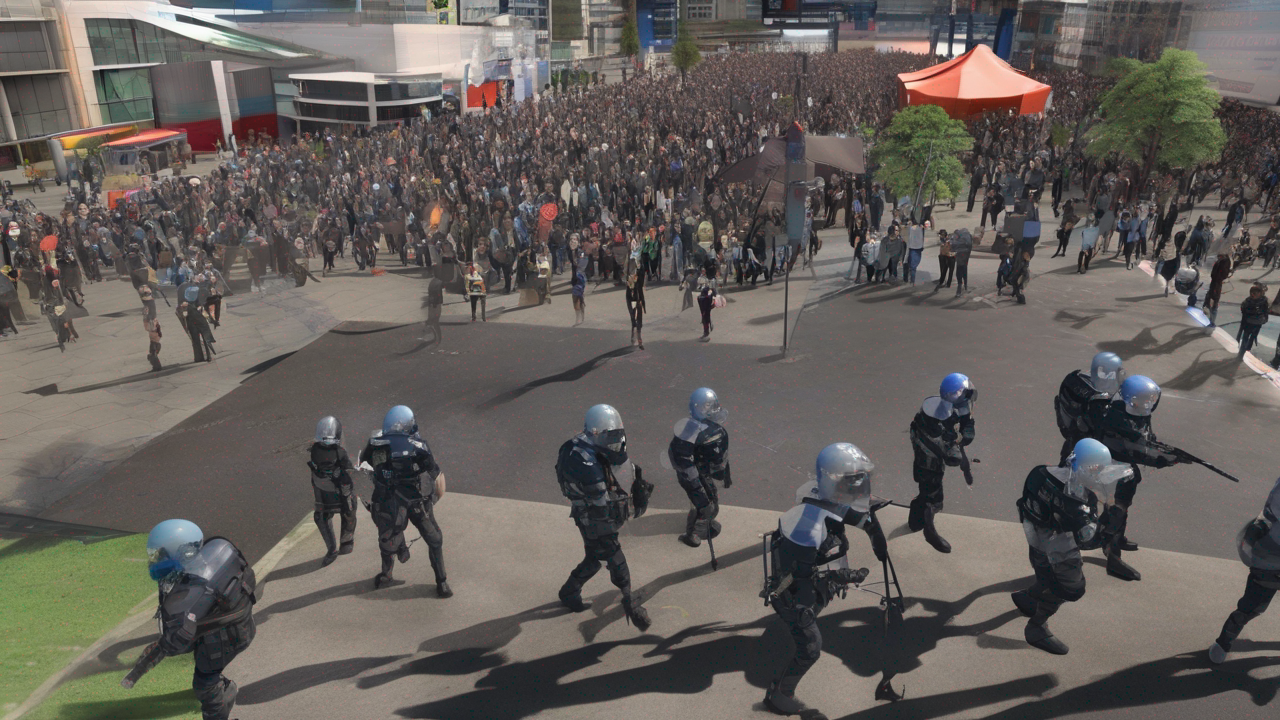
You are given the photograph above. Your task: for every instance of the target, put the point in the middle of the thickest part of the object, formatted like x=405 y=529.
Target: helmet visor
x=854 y=490
x=613 y=440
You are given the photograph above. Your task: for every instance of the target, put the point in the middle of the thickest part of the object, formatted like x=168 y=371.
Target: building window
x=38 y=104
x=22 y=47
x=344 y=113
x=111 y=42
x=124 y=95
x=701 y=11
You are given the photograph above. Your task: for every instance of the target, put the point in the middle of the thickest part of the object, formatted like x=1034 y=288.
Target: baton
x=711 y=545
x=965 y=467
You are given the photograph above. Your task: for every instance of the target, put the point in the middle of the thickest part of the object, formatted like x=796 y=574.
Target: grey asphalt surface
x=496 y=400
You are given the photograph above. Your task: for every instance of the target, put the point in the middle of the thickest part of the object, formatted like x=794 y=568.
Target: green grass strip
x=57 y=597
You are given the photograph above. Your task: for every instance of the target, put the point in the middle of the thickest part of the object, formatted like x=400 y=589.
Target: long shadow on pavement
x=523 y=689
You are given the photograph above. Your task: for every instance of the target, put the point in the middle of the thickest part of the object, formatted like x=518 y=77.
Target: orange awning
x=972 y=83
x=146 y=138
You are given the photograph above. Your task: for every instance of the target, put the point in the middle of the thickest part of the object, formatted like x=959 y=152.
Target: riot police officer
x=207 y=593
x=1126 y=431
x=699 y=452
x=587 y=468
x=400 y=457
x=810 y=536
x=335 y=493
x=1083 y=398
x=1259 y=547
x=1058 y=517
x=939 y=432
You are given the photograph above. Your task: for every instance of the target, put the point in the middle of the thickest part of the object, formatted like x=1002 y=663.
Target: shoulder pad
x=379 y=441
x=687 y=429
x=806 y=525
x=420 y=444
x=936 y=408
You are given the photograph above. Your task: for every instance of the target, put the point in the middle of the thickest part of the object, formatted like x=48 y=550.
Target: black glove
x=879 y=545
x=728 y=478
x=849 y=576
x=1255 y=531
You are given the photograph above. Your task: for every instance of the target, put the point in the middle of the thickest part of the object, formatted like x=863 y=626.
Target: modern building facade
x=350 y=99
x=36 y=96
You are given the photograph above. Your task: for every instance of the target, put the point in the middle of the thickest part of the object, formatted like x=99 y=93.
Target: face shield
x=170 y=546
x=704 y=404
x=1107 y=373
x=613 y=443
x=1141 y=395
x=844 y=476
x=853 y=490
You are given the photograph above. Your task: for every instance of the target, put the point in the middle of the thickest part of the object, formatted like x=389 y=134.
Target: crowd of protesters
x=612 y=183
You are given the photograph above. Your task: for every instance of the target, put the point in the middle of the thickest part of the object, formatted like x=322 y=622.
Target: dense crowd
x=613 y=183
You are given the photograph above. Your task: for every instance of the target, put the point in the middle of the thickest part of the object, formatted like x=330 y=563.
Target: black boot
x=931 y=535
x=443 y=590
x=325 y=526
x=636 y=615
x=915 y=518
x=780 y=699
x=155 y=363
x=1119 y=568
x=1038 y=636
x=885 y=691
x=1026 y=604
x=692 y=541
x=574 y=602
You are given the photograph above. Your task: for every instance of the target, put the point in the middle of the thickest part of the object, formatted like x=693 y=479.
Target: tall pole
x=796 y=193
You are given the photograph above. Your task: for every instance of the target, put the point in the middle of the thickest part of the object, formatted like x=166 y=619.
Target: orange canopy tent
x=972 y=83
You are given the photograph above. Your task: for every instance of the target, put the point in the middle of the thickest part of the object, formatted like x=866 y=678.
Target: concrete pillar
x=220 y=87
x=7 y=115
x=373 y=105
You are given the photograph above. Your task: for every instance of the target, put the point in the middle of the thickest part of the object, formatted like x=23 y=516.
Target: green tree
x=921 y=136
x=630 y=38
x=685 y=52
x=1159 y=115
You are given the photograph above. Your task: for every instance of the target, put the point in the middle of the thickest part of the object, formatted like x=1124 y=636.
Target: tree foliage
x=903 y=150
x=630 y=38
x=684 y=54
x=1159 y=115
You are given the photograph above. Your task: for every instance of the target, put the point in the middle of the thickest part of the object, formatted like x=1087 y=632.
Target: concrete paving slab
x=503 y=647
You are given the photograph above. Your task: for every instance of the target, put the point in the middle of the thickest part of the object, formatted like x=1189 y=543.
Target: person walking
x=1064 y=237
x=962 y=246
x=579 y=290
x=1254 y=312
x=946 y=260
x=635 y=306
x=1221 y=271
x=476 y=291
x=915 y=249
x=706 y=301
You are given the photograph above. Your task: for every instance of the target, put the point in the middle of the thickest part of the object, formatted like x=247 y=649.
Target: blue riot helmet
x=1092 y=468
x=1141 y=395
x=399 y=421
x=705 y=405
x=171 y=545
x=1106 y=372
x=957 y=390
x=603 y=426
